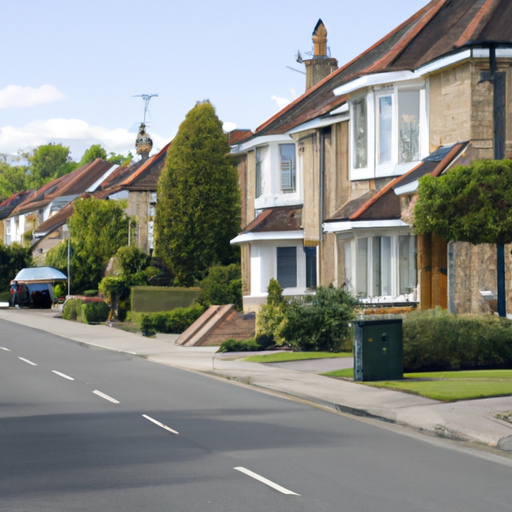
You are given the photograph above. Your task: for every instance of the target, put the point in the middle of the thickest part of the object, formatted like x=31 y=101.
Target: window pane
x=360 y=134
x=310 y=266
x=407 y=263
x=362 y=267
x=287 y=167
x=349 y=280
x=408 y=126
x=385 y=120
x=381 y=262
x=287 y=267
x=260 y=155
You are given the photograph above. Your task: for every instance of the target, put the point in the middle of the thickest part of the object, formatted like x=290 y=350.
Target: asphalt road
x=85 y=429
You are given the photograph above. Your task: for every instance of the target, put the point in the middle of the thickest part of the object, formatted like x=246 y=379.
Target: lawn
x=280 y=357
x=447 y=386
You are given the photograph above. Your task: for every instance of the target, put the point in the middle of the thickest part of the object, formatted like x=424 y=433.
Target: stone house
x=328 y=182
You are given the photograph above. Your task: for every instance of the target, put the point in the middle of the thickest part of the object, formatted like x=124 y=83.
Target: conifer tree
x=198 y=208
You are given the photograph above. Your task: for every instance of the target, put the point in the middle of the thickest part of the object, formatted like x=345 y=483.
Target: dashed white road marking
x=266 y=481
x=62 y=375
x=6 y=349
x=106 y=397
x=165 y=427
x=27 y=361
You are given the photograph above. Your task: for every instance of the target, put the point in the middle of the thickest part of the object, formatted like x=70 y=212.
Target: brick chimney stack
x=320 y=65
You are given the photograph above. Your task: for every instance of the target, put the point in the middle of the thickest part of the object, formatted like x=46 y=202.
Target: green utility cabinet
x=378 y=350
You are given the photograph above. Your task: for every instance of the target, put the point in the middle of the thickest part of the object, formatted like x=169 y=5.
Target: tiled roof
x=439 y=28
x=74 y=183
x=283 y=218
x=55 y=221
x=7 y=206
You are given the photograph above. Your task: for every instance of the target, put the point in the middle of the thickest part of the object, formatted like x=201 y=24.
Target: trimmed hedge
x=232 y=345
x=72 y=310
x=171 y=322
x=152 y=299
x=95 y=312
x=438 y=340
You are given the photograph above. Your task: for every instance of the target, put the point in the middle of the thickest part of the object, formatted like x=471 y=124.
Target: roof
x=385 y=203
x=40 y=275
x=147 y=175
x=439 y=28
x=55 y=221
x=72 y=184
x=7 y=206
x=284 y=218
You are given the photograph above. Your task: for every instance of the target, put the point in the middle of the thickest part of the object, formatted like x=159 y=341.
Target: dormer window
x=389 y=131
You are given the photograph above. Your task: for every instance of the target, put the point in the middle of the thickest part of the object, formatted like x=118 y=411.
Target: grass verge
x=446 y=386
x=281 y=357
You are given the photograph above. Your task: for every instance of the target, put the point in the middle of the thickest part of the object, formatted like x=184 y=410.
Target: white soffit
x=409 y=188
x=258 y=141
x=268 y=236
x=320 y=122
x=349 y=225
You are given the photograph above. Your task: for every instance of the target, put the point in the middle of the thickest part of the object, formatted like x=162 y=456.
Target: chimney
x=320 y=65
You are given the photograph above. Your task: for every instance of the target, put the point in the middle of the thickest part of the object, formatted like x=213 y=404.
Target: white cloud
x=75 y=133
x=283 y=102
x=15 y=96
x=228 y=127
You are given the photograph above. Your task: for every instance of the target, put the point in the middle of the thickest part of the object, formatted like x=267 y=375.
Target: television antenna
x=147 y=99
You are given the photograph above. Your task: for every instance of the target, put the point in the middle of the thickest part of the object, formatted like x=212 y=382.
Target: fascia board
x=406 y=189
x=258 y=141
x=268 y=236
x=337 y=227
x=319 y=123
x=100 y=180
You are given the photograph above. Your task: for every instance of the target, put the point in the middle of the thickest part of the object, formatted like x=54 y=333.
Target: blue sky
x=70 y=69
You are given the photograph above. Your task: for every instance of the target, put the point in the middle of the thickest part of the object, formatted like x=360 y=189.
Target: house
x=328 y=182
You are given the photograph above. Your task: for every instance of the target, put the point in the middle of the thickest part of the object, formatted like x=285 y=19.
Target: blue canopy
x=40 y=275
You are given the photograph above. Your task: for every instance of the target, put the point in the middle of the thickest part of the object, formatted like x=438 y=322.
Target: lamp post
x=65 y=230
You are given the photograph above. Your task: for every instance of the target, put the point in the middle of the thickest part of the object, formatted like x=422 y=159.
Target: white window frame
x=372 y=237
x=375 y=169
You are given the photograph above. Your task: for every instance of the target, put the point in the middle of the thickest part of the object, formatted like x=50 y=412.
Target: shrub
x=60 y=290
x=95 y=312
x=438 y=340
x=90 y=293
x=271 y=317
x=232 y=345
x=222 y=285
x=319 y=322
x=171 y=322
x=72 y=310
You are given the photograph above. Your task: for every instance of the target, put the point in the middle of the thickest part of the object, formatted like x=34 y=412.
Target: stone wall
x=138 y=207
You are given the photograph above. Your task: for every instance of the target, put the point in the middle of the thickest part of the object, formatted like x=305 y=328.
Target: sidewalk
x=471 y=420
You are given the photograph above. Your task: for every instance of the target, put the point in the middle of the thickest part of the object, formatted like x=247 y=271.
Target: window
x=310 y=267
x=260 y=157
x=288 y=172
x=408 y=126
x=360 y=134
x=380 y=266
x=287 y=267
x=385 y=128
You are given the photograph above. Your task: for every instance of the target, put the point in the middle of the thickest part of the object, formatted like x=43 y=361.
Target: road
x=86 y=429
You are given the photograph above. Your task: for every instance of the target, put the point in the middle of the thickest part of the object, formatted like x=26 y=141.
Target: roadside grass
x=446 y=386
x=280 y=357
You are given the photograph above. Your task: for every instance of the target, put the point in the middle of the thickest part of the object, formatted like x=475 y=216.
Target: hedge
x=72 y=310
x=95 y=312
x=233 y=345
x=438 y=340
x=171 y=322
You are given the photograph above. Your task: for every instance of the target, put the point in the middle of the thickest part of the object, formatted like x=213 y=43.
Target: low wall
x=151 y=299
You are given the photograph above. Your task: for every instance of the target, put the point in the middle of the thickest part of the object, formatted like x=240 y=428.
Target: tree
x=48 y=162
x=198 y=209
x=95 y=151
x=222 y=285
x=13 y=258
x=98 y=229
x=12 y=179
x=467 y=204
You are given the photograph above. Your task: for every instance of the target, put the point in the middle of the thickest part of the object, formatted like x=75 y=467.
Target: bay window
x=288 y=169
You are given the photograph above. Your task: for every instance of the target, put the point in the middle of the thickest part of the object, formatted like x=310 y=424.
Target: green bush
x=320 y=321
x=438 y=340
x=232 y=345
x=5 y=296
x=171 y=322
x=222 y=285
x=60 y=290
x=72 y=310
x=271 y=317
x=95 y=312
x=90 y=293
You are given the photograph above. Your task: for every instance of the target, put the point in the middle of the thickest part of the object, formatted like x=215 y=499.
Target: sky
x=71 y=69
